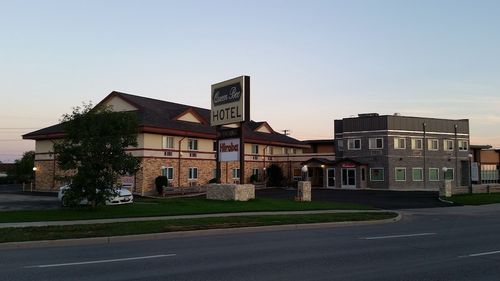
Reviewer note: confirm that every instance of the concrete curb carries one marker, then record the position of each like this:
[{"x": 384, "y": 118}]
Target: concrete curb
[{"x": 192, "y": 233}]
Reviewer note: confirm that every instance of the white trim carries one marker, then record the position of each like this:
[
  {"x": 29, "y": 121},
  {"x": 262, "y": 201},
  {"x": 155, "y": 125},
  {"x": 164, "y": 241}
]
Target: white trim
[
  {"x": 396, "y": 141},
  {"x": 429, "y": 147},
  {"x": 396, "y": 173},
  {"x": 413, "y": 142},
  {"x": 334, "y": 179},
  {"x": 370, "y": 144},
  {"x": 422, "y": 174},
  {"x": 354, "y": 148},
  {"x": 432, "y": 168}
]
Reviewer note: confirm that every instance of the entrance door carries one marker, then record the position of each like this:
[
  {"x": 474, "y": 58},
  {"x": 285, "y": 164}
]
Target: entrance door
[
  {"x": 330, "y": 172},
  {"x": 348, "y": 178}
]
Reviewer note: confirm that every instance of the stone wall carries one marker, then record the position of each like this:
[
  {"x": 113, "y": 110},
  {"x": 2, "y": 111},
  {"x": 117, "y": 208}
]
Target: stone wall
[{"x": 231, "y": 192}]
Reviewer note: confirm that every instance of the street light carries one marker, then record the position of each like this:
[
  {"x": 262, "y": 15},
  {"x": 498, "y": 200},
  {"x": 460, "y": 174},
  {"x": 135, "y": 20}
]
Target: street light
[
  {"x": 304, "y": 173},
  {"x": 265, "y": 181},
  {"x": 33, "y": 182}
]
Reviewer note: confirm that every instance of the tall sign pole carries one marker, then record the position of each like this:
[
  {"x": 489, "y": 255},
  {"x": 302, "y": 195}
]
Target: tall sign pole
[{"x": 230, "y": 105}]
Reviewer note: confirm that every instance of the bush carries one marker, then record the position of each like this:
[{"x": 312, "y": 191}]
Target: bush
[
  {"x": 161, "y": 182},
  {"x": 254, "y": 178},
  {"x": 274, "y": 176}
]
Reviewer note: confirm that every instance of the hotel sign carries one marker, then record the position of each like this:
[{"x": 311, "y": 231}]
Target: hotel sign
[
  {"x": 229, "y": 150},
  {"x": 230, "y": 101}
]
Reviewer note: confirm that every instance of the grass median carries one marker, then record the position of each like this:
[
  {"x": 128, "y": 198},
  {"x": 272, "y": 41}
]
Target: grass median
[
  {"x": 476, "y": 199},
  {"x": 130, "y": 228},
  {"x": 144, "y": 207}
]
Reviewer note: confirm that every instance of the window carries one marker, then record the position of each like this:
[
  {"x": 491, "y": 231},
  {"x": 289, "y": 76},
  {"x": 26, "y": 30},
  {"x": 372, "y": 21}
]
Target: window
[
  {"x": 399, "y": 143},
  {"x": 354, "y": 144},
  {"x": 168, "y": 142},
  {"x": 192, "y": 144},
  {"x": 236, "y": 173},
  {"x": 255, "y": 149},
  {"x": 448, "y": 145},
  {"x": 294, "y": 150},
  {"x": 417, "y": 174},
  {"x": 376, "y": 174},
  {"x": 269, "y": 150},
  {"x": 400, "y": 174},
  {"x": 433, "y": 174},
  {"x": 193, "y": 174},
  {"x": 433, "y": 144},
  {"x": 168, "y": 172},
  {"x": 285, "y": 150},
  {"x": 255, "y": 171},
  {"x": 417, "y": 144},
  {"x": 463, "y": 145},
  {"x": 376, "y": 143},
  {"x": 449, "y": 174}
]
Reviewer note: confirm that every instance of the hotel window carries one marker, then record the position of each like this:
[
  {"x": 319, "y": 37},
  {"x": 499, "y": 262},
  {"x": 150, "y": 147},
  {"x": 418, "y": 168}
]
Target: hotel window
[
  {"x": 168, "y": 142},
  {"x": 285, "y": 150},
  {"x": 433, "y": 144},
  {"x": 168, "y": 172},
  {"x": 236, "y": 173},
  {"x": 400, "y": 174},
  {"x": 449, "y": 174},
  {"x": 433, "y": 174},
  {"x": 376, "y": 143},
  {"x": 192, "y": 144},
  {"x": 354, "y": 144},
  {"x": 417, "y": 144},
  {"x": 417, "y": 174},
  {"x": 255, "y": 149},
  {"x": 448, "y": 145},
  {"x": 399, "y": 143},
  {"x": 463, "y": 145},
  {"x": 269, "y": 150},
  {"x": 192, "y": 173},
  {"x": 376, "y": 174}
]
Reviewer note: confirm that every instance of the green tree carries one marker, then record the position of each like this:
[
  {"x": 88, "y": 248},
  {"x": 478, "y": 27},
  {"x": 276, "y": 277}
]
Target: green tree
[
  {"x": 93, "y": 151},
  {"x": 23, "y": 168},
  {"x": 274, "y": 175}
]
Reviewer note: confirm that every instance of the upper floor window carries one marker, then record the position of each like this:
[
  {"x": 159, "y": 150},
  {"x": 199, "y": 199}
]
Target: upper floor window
[
  {"x": 255, "y": 149},
  {"x": 463, "y": 145},
  {"x": 399, "y": 143},
  {"x": 448, "y": 145},
  {"x": 168, "y": 142},
  {"x": 417, "y": 144},
  {"x": 433, "y": 144},
  {"x": 192, "y": 144},
  {"x": 376, "y": 143},
  {"x": 354, "y": 144},
  {"x": 269, "y": 150}
]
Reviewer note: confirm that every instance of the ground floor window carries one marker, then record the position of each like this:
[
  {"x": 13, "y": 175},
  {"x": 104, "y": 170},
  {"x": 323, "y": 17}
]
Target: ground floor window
[
  {"x": 417, "y": 174},
  {"x": 236, "y": 173},
  {"x": 168, "y": 172},
  {"x": 400, "y": 174},
  {"x": 376, "y": 174},
  {"x": 433, "y": 174},
  {"x": 449, "y": 174},
  {"x": 193, "y": 173}
]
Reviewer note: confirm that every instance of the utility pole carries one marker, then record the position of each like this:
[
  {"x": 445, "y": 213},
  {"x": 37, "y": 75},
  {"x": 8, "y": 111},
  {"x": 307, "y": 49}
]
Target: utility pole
[{"x": 286, "y": 132}]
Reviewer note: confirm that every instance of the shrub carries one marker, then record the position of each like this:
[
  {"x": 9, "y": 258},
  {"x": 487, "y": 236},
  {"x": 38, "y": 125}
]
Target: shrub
[
  {"x": 161, "y": 182},
  {"x": 274, "y": 175},
  {"x": 254, "y": 178}
]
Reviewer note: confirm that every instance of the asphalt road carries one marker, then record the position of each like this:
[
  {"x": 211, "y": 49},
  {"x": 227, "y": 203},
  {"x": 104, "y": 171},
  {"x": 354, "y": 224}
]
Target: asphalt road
[{"x": 456, "y": 243}]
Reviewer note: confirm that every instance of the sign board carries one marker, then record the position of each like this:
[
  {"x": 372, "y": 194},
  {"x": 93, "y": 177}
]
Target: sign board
[
  {"x": 348, "y": 165},
  {"x": 228, "y": 133},
  {"x": 474, "y": 172},
  {"x": 229, "y": 150},
  {"x": 127, "y": 181},
  {"x": 230, "y": 101}
]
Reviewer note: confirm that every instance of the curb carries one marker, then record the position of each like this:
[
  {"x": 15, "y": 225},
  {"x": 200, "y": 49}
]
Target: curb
[{"x": 185, "y": 234}]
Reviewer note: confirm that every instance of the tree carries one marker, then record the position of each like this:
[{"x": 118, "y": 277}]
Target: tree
[
  {"x": 23, "y": 168},
  {"x": 274, "y": 175},
  {"x": 93, "y": 151}
]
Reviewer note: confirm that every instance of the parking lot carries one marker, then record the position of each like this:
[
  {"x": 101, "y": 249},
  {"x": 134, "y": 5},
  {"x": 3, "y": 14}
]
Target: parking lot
[{"x": 12, "y": 197}]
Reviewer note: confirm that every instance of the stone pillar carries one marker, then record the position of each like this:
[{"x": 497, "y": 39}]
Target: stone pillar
[
  {"x": 445, "y": 189},
  {"x": 303, "y": 191},
  {"x": 231, "y": 192}
]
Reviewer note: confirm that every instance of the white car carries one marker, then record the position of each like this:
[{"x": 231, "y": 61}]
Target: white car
[{"x": 122, "y": 196}]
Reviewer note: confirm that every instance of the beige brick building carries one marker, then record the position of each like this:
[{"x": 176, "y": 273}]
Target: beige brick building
[{"x": 177, "y": 141}]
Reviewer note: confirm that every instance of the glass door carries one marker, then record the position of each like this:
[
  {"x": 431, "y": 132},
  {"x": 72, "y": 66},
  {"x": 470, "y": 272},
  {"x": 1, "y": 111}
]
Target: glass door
[
  {"x": 348, "y": 178},
  {"x": 330, "y": 178}
]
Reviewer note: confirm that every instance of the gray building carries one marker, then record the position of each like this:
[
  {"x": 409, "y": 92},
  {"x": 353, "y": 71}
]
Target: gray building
[{"x": 401, "y": 152}]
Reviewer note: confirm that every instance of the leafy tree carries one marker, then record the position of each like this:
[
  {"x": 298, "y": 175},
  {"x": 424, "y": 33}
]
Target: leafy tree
[
  {"x": 93, "y": 151},
  {"x": 274, "y": 175},
  {"x": 23, "y": 168}
]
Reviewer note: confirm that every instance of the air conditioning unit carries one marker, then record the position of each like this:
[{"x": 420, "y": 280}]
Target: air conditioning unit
[
  {"x": 168, "y": 153},
  {"x": 192, "y": 154}
]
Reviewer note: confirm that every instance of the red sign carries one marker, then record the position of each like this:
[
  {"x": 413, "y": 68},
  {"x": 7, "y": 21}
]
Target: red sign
[{"x": 348, "y": 165}]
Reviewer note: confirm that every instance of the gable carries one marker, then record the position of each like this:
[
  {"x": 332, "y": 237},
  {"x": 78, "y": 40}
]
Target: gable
[
  {"x": 118, "y": 104},
  {"x": 190, "y": 115},
  {"x": 264, "y": 128}
]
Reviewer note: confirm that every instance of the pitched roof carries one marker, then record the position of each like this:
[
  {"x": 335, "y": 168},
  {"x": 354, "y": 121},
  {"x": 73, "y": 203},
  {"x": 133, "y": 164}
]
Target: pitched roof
[{"x": 157, "y": 116}]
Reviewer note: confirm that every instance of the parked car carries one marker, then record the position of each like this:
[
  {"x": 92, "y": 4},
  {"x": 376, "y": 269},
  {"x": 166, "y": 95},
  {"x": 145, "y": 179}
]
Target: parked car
[{"x": 122, "y": 196}]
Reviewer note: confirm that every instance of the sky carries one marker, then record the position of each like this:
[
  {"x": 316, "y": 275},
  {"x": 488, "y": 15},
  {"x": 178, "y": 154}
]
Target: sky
[{"x": 310, "y": 62}]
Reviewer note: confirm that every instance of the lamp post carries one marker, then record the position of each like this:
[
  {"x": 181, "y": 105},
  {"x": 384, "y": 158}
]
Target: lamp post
[
  {"x": 470, "y": 172},
  {"x": 34, "y": 178},
  {"x": 265, "y": 180},
  {"x": 324, "y": 176},
  {"x": 304, "y": 173}
]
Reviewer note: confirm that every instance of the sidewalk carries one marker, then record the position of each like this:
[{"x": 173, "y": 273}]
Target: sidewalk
[{"x": 100, "y": 221}]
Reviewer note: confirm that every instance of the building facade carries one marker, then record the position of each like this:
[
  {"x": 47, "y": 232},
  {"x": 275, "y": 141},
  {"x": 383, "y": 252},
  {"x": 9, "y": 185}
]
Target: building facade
[
  {"x": 176, "y": 141},
  {"x": 401, "y": 152}
]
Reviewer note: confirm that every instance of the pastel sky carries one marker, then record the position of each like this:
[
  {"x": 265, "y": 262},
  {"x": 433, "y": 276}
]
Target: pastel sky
[{"x": 310, "y": 62}]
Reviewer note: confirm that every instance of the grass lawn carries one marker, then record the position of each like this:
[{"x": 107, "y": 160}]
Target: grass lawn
[
  {"x": 476, "y": 199},
  {"x": 129, "y": 228},
  {"x": 168, "y": 207}
]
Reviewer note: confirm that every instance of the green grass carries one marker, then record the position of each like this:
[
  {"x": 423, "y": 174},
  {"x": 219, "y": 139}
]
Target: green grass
[
  {"x": 476, "y": 199},
  {"x": 170, "y": 207},
  {"x": 129, "y": 228}
]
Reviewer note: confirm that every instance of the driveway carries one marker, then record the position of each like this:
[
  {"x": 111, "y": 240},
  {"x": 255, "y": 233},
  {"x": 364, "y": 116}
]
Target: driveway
[
  {"x": 382, "y": 199},
  {"x": 13, "y": 198}
]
